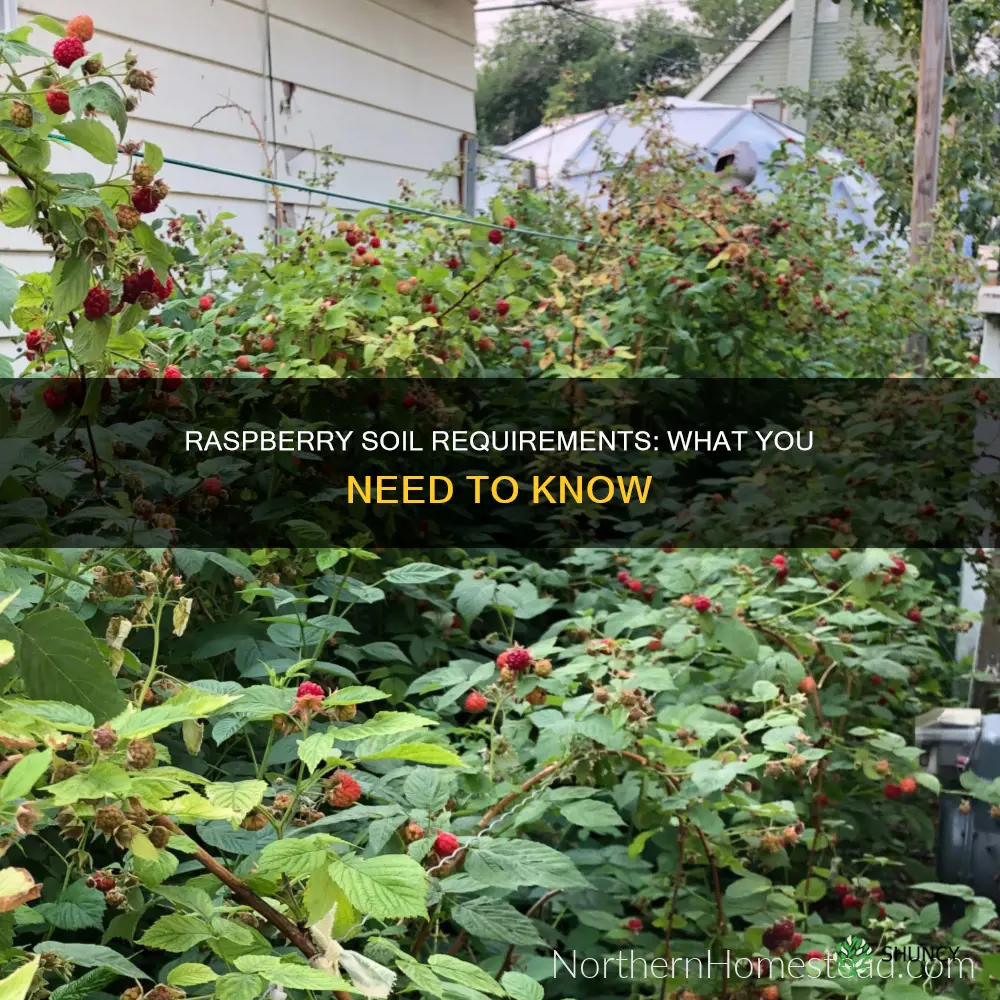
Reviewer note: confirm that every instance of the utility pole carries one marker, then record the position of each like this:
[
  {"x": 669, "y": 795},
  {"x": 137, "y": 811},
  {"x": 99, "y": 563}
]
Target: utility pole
[{"x": 930, "y": 98}]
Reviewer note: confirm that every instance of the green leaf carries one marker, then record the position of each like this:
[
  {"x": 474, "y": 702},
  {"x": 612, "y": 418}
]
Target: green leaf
[
  {"x": 70, "y": 282},
  {"x": 521, "y": 987},
  {"x": 159, "y": 258},
  {"x": 385, "y": 651},
  {"x": 90, "y": 338},
  {"x": 24, "y": 774},
  {"x": 420, "y": 976},
  {"x": 189, "y": 704},
  {"x": 464, "y": 973},
  {"x": 509, "y": 864},
  {"x": 93, "y": 136},
  {"x": 737, "y": 638},
  {"x": 87, "y": 985},
  {"x": 16, "y": 985},
  {"x": 384, "y": 724},
  {"x": 153, "y": 156},
  {"x": 238, "y": 796},
  {"x": 50, "y": 24},
  {"x": 239, "y": 986},
  {"x": 354, "y": 696},
  {"x": 495, "y": 920},
  {"x": 176, "y": 932},
  {"x": 472, "y": 595},
  {"x": 75, "y": 908},
  {"x": 313, "y": 750},
  {"x": 944, "y": 889},
  {"x": 389, "y": 886},
  {"x": 18, "y": 209},
  {"x": 299, "y": 857},
  {"x": 191, "y": 974},
  {"x": 291, "y": 974},
  {"x": 61, "y": 662},
  {"x": 9, "y": 290},
  {"x": 92, "y": 956},
  {"x": 591, "y": 814},
  {"x": 102, "y": 779},
  {"x": 421, "y": 753},
  {"x": 751, "y": 885},
  {"x": 104, "y": 98},
  {"x": 816, "y": 890},
  {"x": 417, "y": 573}
]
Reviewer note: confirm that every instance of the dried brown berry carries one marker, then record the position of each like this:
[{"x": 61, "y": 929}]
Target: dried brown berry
[
  {"x": 257, "y": 820},
  {"x": 107, "y": 819},
  {"x": 543, "y": 668},
  {"x": 159, "y": 837},
  {"x": 343, "y": 713},
  {"x": 104, "y": 736},
  {"x": 120, "y": 584},
  {"x": 116, "y": 898},
  {"x": 140, "y": 755},
  {"x": 64, "y": 769}
]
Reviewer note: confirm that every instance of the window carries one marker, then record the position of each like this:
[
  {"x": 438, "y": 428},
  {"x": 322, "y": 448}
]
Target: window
[
  {"x": 8, "y": 15},
  {"x": 769, "y": 106}
]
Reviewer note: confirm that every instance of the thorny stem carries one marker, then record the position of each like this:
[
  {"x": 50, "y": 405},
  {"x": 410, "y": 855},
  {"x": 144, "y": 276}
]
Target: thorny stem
[
  {"x": 672, "y": 907},
  {"x": 498, "y": 807}
]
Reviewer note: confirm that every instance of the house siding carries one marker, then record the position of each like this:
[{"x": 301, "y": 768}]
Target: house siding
[
  {"x": 762, "y": 72},
  {"x": 389, "y": 85},
  {"x": 829, "y": 63}
]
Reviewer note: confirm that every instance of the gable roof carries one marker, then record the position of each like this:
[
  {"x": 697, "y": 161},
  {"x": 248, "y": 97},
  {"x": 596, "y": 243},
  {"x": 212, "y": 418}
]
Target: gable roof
[{"x": 743, "y": 50}]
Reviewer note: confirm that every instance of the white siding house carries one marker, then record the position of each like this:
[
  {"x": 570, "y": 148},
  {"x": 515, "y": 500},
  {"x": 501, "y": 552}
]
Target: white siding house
[{"x": 389, "y": 85}]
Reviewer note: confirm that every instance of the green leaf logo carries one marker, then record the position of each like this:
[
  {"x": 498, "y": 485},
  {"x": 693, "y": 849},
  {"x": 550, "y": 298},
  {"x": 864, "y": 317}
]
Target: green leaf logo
[{"x": 851, "y": 954}]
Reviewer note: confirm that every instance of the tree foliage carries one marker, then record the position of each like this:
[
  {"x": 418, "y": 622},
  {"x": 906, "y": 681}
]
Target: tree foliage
[{"x": 551, "y": 61}]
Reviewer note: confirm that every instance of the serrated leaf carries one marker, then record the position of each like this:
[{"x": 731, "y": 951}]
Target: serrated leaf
[
  {"x": 389, "y": 886},
  {"x": 314, "y": 749},
  {"x": 495, "y": 920},
  {"x": 521, "y": 987},
  {"x": 191, "y": 974},
  {"x": 417, "y": 573},
  {"x": 92, "y": 956},
  {"x": 509, "y": 864},
  {"x": 9, "y": 290},
  {"x": 384, "y": 724},
  {"x": 291, "y": 974},
  {"x": 189, "y": 704},
  {"x": 239, "y": 986},
  {"x": 61, "y": 662},
  {"x": 155, "y": 871},
  {"x": 76, "y": 907},
  {"x": 93, "y": 136},
  {"x": 142, "y": 847},
  {"x": 592, "y": 814},
  {"x": 87, "y": 985},
  {"x": 239, "y": 797},
  {"x": 298, "y": 857},
  {"x": 420, "y": 753},
  {"x": 464, "y": 973},
  {"x": 104, "y": 98},
  {"x": 23, "y": 775},
  {"x": 356, "y": 695},
  {"x": 176, "y": 932}
]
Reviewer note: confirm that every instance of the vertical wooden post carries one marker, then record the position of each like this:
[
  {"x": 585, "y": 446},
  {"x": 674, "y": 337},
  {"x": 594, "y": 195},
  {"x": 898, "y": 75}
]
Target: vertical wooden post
[{"x": 930, "y": 97}]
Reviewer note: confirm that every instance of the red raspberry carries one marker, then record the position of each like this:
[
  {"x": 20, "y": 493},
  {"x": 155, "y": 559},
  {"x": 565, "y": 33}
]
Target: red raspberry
[
  {"x": 265, "y": 371},
  {"x": 808, "y": 685},
  {"x": 57, "y": 100},
  {"x": 779, "y": 561},
  {"x": 503, "y": 307},
  {"x": 81, "y": 26},
  {"x": 841, "y": 889},
  {"x": 526, "y": 344},
  {"x": 914, "y": 614},
  {"x": 474, "y": 314},
  {"x": 834, "y": 554},
  {"x": 309, "y": 695},
  {"x": 344, "y": 791},
  {"x": 133, "y": 285},
  {"x": 495, "y": 236},
  {"x": 33, "y": 339},
  {"x": 898, "y": 567},
  {"x": 794, "y": 941},
  {"x": 144, "y": 199},
  {"x": 908, "y": 786},
  {"x": 206, "y": 302},
  {"x": 409, "y": 401},
  {"x": 633, "y": 924},
  {"x": 243, "y": 363},
  {"x": 892, "y": 791},
  {"x": 446, "y": 844},
  {"x": 454, "y": 263},
  {"x": 475, "y": 702},
  {"x": 517, "y": 658},
  {"x": 851, "y": 902},
  {"x": 702, "y": 604},
  {"x": 974, "y": 358},
  {"x": 163, "y": 291},
  {"x": 876, "y": 895},
  {"x": 97, "y": 303},
  {"x": 212, "y": 485},
  {"x": 351, "y": 238},
  {"x": 509, "y": 222},
  {"x": 623, "y": 577},
  {"x": 67, "y": 50},
  {"x": 484, "y": 344},
  {"x": 818, "y": 955},
  {"x": 54, "y": 396},
  {"x": 635, "y": 586},
  {"x": 171, "y": 378},
  {"x": 375, "y": 243}
]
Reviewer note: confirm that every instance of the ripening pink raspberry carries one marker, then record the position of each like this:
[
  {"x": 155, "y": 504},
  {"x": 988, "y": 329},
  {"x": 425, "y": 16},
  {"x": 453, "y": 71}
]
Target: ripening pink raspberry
[
  {"x": 309, "y": 696},
  {"x": 702, "y": 604},
  {"x": 446, "y": 844},
  {"x": 67, "y": 50},
  {"x": 476, "y": 702}
]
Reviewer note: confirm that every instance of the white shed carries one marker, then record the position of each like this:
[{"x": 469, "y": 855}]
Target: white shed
[{"x": 389, "y": 85}]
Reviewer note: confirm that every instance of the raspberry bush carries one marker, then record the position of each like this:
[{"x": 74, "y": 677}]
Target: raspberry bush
[{"x": 309, "y": 771}]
